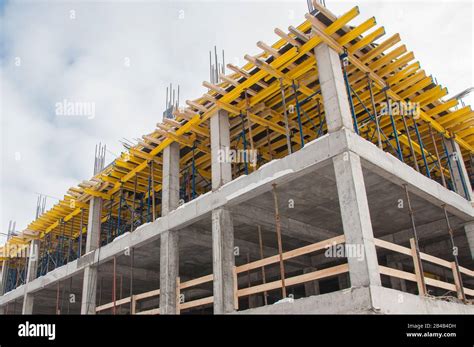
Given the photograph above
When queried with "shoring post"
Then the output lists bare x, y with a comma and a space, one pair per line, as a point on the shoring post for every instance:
119, 213
285, 113
392, 121
264, 279
193, 182
114, 289
446, 154
148, 213
374, 111
81, 226
443, 180
422, 147
269, 144
280, 246
298, 113
456, 270
416, 255
345, 62
152, 174
244, 142
132, 222
412, 150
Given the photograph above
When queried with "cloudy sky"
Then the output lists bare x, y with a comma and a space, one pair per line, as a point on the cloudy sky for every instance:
120, 55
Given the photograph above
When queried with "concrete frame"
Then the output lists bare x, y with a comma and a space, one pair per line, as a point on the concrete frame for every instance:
341, 147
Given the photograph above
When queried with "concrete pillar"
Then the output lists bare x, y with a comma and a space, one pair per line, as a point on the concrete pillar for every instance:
459, 171
222, 227
28, 299
220, 143
333, 89
469, 229
170, 185
356, 220
223, 260
169, 245
89, 284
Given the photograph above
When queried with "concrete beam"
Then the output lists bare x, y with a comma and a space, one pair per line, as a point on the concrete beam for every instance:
356, 221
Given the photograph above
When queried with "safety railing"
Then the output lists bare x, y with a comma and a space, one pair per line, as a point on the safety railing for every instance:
420, 277
417, 277
243, 292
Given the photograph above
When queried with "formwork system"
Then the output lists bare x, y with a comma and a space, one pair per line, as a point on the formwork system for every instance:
357, 148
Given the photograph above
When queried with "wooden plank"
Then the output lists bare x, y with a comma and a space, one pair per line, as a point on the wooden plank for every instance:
468, 291
178, 294
466, 271
416, 262
147, 294
457, 281
150, 312
197, 281
295, 280
134, 305
435, 260
392, 247
291, 254
111, 304
440, 284
236, 288
397, 273
198, 302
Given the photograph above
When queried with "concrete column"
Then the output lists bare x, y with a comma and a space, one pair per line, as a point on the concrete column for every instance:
222, 227
220, 143
28, 299
469, 229
458, 169
89, 285
223, 260
333, 89
169, 240
356, 220
170, 185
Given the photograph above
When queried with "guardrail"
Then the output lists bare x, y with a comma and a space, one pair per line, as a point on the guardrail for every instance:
308, 277
238, 293
420, 279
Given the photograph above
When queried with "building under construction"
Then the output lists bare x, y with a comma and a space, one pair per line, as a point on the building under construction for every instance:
330, 168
